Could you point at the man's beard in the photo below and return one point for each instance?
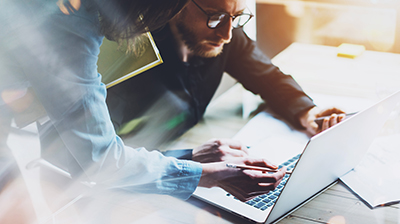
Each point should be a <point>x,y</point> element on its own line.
<point>190,39</point>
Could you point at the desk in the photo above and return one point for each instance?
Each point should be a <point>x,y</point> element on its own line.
<point>337,203</point>
<point>318,70</point>
<point>362,80</point>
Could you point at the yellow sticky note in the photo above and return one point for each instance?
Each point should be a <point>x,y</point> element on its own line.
<point>350,50</point>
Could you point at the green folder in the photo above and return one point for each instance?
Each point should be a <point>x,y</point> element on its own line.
<point>116,65</point>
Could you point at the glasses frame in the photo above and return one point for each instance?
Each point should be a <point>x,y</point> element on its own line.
<point>209,15</point>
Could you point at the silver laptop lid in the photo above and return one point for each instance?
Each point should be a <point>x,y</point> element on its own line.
<point>331,154</point>
<point>327,157</point>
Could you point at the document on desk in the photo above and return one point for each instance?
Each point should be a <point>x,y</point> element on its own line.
<point>377,178</point>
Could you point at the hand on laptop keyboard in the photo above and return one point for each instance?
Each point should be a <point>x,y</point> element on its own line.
<point>244,184</point>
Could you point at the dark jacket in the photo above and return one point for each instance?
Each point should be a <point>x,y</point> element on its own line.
<point>179,92</point>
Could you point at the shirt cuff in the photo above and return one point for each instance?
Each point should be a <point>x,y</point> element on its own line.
<point>189,178</point>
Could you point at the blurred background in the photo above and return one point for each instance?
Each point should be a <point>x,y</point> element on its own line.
<point>372,23</point>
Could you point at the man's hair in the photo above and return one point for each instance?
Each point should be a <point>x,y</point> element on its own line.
<point>126,19</point>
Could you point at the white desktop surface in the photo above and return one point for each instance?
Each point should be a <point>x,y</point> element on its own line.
<point>318,69</point>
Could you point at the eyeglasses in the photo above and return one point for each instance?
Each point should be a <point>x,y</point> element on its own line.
<point>216,20</point>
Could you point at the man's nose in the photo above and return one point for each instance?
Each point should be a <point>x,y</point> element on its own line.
<point>225,31</point>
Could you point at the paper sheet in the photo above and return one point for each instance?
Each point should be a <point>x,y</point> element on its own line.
<point>377,179</point>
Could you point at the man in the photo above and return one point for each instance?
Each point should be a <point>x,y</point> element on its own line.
<point>204,40</point>
<point>51,48</point>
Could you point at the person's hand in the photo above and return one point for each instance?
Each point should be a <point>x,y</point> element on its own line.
<point>243,184</point>
<point>335,116</point>
<point>216,150</point>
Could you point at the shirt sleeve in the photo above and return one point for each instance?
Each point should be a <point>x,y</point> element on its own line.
<point>59,58</point>
<point>251,67</point>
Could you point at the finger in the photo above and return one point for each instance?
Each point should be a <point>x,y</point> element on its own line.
<point>229,142</point>
<point>245,149</point>
<point>232,152</point>
<point>234,144</point>
<point>265,178</point>
<point>237,192</point>
<point>341,117</point>
<point>280,175</point>
<point>245,192</point>
<point>251,195</point>
<point>254,190</point>
<point>260,162</point>
<point>325,124</point>
<point>249,191</point>
<point>252,184</point>
<point>333,120</point>
<point>326,112</point>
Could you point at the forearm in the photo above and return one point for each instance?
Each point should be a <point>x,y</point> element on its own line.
<point>100,156</point>
<point>121,167</point>
<point>254,70</point>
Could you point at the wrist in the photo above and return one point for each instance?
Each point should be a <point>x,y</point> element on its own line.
<point>209,174</point>
<point>304,116</point>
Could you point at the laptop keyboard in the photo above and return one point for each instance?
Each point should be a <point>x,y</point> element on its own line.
<point>265,201</point>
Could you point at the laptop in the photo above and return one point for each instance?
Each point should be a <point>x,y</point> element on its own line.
<point>316,163</point>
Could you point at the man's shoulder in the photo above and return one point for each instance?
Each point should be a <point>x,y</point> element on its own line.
<point>239,37</point>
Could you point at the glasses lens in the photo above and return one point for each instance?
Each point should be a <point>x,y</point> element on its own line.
<point>217,20</point>
<point>240,20</point>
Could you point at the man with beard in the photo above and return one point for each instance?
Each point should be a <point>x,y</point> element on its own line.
<point>202,42</point>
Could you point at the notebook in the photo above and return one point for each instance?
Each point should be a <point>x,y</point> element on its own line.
<point>116,65</point>
<point>317,163</point>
